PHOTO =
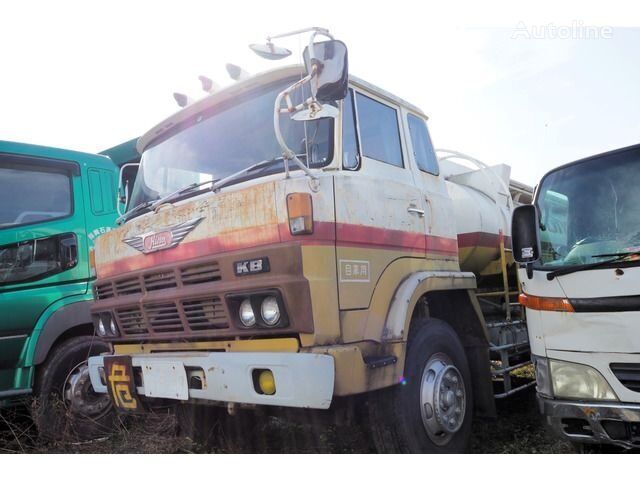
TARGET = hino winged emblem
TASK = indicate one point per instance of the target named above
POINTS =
(168, 237)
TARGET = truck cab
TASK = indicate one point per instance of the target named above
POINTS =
(54, 204)
(290, 241)
(579, 249)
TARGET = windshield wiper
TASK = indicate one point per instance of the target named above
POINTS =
(152, 204)
(215, 184)
(127, 215)
(173, 196)
(223, 182)
(618, 256)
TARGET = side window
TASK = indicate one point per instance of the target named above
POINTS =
(49, 195)
(102, 192)
(349, 138)
(423, 150)
(33, 260)
(379, 131)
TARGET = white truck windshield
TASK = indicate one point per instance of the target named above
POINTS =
(590, 210)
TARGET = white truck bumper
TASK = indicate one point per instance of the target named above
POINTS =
(303, 380)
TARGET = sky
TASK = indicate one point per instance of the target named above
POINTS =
(524, 88)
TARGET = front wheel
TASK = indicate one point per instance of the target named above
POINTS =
(431, 411)
(66, 406)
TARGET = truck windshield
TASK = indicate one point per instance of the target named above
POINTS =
(49, 194)
(590, 211)
(227, 138)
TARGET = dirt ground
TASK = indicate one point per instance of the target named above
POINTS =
(518, 429)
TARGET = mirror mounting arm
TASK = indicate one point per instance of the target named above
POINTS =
(312, 57)
(315, 109)
(529, 269)
(287, 153)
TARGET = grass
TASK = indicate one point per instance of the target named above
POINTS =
(519, 428)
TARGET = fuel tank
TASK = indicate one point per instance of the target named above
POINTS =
(483, 199)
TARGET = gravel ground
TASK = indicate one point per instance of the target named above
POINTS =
(518, 429)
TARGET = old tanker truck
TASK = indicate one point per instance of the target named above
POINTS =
(294, 238)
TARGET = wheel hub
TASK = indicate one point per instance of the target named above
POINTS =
(442, 399)
(79, 396)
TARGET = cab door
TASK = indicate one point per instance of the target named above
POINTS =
(441, 243)
(380, 215)
(41, 247)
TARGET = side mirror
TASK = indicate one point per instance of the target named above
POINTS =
(125, 185)
(332, 79)
(524, 234)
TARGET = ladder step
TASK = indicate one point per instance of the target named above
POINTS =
(499, 348)
(510, 368)
(495, 294)
(505, 324)
(514, 390)
(378, 362)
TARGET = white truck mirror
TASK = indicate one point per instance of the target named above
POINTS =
(524, 234)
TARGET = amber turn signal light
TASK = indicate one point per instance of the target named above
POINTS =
(300, 210)
(545, 303)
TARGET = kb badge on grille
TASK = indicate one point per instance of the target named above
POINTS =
(167, 238)
(255, 265)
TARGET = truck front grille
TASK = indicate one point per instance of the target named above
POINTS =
(160, 280)
(171, 317)
(628, 374)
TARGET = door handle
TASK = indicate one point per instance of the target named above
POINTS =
(415, 210)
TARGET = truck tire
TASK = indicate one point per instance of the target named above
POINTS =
(431, 410)
(65, 404)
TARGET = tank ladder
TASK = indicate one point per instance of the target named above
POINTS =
(509, 342)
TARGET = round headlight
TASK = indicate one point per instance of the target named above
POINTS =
(247, 317)
(270, 311)
(102, 331)
(113, 327)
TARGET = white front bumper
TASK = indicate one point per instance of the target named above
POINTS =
(302, 379)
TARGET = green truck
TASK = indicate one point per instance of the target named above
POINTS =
(54, 203)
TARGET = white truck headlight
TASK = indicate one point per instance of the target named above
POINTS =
(580, 382)
(543, 379)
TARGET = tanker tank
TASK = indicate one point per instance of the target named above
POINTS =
(483, 199)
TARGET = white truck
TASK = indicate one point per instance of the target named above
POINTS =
(579, 250)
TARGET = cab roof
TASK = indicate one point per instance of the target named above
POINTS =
(42, 151)
(250, 84)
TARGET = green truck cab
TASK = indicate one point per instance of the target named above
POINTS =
(54, 203)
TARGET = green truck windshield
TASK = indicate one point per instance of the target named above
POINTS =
(590, 210)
